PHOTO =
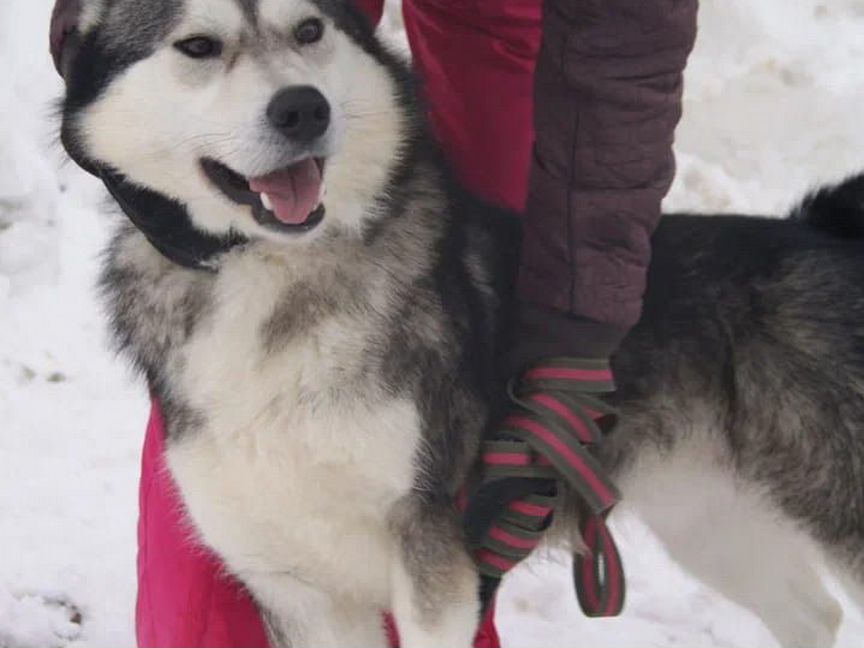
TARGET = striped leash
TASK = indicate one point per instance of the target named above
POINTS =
(543, 444)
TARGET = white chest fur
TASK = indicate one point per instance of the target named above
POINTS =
(294, 471)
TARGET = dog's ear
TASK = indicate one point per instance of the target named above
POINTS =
(64, 32)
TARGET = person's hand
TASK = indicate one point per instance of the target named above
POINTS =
(538, 334)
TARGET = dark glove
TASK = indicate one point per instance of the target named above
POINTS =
(539, 334)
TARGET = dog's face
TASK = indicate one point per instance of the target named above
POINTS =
(270, 118)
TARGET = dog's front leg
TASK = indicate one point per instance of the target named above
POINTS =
(435, 587)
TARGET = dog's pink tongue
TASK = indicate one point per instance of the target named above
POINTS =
(293, 192)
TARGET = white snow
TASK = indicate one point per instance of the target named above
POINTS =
(774, 98)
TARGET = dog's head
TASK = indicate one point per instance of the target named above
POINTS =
(267, 118)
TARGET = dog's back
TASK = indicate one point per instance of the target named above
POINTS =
(742, 401)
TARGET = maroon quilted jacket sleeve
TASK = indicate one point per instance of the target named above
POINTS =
(608, 98)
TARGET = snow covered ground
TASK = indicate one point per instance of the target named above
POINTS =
(774, 98)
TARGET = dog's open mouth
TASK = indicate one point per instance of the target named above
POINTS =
(288, 199)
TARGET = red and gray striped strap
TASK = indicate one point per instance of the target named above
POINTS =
(599, 576)
(546, 438)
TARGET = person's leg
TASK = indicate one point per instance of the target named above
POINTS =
(185, 599)
(476, 60)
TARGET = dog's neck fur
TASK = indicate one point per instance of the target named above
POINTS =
(402, 236)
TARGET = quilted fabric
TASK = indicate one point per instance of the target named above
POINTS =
(608, 89)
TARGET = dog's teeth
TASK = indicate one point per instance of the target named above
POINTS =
(323, 193)
(265, 200)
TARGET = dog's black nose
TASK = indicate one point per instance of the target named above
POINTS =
(301, 113)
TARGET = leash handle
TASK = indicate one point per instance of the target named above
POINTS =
(599, 575)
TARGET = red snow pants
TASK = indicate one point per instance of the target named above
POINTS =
(476, 59)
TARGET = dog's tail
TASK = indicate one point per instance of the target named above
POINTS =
(837, 210)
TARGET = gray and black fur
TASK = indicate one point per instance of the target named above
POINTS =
(749, 360)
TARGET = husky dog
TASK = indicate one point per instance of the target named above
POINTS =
(328, 378)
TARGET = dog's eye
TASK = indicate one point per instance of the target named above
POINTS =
(309, 31)
(199, 47)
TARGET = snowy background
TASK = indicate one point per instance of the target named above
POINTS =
(774, 105)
